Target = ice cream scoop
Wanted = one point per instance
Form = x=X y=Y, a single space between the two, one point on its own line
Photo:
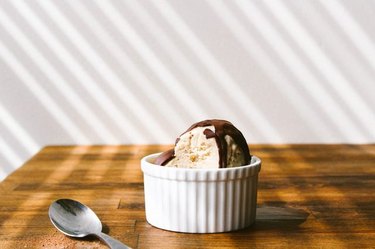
x=208 y=144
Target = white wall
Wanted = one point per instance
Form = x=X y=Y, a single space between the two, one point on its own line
x=128 y=72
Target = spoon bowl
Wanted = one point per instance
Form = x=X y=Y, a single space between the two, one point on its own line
x=77 y=220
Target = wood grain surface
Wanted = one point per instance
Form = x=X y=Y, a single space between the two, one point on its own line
x=309 y=196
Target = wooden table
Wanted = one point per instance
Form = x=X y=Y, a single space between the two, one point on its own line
x=314 y=196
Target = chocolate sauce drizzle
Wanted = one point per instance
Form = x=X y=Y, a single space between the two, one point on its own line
x=222 y=128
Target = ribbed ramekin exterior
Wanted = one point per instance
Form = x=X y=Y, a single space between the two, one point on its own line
x=200 y=200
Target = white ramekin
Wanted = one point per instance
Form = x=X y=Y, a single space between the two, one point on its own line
x=200 y=200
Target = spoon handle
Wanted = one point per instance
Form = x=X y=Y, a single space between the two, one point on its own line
x=111 y=242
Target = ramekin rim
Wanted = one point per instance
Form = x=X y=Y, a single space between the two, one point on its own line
x=257 y=163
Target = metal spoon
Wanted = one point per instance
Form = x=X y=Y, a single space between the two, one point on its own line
x=77 y=220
